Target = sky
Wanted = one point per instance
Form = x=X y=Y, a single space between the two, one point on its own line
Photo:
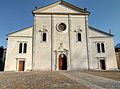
x=17 y=14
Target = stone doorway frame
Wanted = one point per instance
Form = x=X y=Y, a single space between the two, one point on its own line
x=56 y=61
x=99 y=65
x=17 y=63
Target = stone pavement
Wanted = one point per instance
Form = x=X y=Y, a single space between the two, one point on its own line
x=38 y=80
x=92 y=81
x=55 y=80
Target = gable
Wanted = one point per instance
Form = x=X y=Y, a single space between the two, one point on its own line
x=93 y=32
x=23 y=32
x=61 y=7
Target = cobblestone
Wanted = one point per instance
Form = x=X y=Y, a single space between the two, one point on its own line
x=38 y=80
x=115 y=75
x=94 y=81
x=56 y=80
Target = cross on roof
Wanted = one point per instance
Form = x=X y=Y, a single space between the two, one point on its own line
x=61 y=0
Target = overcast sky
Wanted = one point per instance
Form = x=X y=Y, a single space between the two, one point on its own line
x=17 y=14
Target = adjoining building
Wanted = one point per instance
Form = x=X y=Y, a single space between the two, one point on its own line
x=117 y=52
x=60 y=39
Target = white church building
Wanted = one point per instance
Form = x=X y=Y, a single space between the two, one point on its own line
x=60 y=39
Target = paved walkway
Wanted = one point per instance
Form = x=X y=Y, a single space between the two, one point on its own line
x=38 y=80
x=92 y=81
x=55 y=80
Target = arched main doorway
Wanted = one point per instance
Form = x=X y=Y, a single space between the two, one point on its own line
x=62 y=62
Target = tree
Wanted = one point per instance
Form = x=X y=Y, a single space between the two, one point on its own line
x=1 y=47
x=1 y=51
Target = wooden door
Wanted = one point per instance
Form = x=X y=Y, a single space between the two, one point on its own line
x=60 y=63
x=64 y=63
x=102 y=64
x=21 y=65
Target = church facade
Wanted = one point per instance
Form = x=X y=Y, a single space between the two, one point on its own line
x=60 y=39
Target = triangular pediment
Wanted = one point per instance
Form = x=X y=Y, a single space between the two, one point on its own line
x=60 y=7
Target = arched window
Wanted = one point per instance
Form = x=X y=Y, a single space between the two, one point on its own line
x=20 y=48
x=103 y=47
x=25 y=48
x=44 y=36
x=79 y=36
x=98 y=47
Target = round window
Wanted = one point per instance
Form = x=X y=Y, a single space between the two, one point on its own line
x=61 y=27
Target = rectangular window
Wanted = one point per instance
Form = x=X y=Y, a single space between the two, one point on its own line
x=22 y=47
x=100 y=48
x=25 y=48
x=79 y=36
x=44 y=36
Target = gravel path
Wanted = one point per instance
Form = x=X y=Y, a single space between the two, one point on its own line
x=95 y=82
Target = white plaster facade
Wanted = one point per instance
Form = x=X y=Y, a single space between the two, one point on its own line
x=44 y=55
x=13 y=56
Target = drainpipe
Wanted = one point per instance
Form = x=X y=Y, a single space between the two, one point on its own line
x=51 y=41
x=69 y=31
x=33 y=45
x=87 y=37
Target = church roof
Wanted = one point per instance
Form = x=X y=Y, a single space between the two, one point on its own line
x=100 y=31
x=19 y=30
x=92 y=28
x=61 y=2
